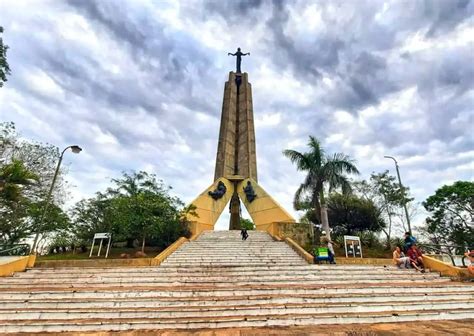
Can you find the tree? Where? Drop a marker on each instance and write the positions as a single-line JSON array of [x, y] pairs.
[[452, 214], [91, 216], [350, 214], [247, 224], [55, 220], [322, 172], [26, 170], [137, 206], [40, 159], [12, 177], [13, 203], [4, 67], [384, 191], [20, 213], [143, 202]]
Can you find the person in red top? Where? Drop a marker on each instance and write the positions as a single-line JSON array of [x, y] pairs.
[[416, 258], [470, 258]]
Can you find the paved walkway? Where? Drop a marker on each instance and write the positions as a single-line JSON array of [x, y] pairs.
[[427, 328]]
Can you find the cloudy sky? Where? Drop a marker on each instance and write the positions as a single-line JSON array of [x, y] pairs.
[[138, 84]]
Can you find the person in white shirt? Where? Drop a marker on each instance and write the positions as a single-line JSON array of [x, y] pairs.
[[330, 246], [399, 258]]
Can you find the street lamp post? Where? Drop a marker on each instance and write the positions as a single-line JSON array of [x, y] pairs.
[[75, 149], [401, 187]]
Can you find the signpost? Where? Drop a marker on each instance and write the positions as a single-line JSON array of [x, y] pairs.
[[101, 236], [353, 246]]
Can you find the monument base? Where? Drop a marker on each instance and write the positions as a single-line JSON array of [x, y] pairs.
[[263, 209]]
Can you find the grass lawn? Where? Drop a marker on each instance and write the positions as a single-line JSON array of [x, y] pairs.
[[114, 253], [367, 252]]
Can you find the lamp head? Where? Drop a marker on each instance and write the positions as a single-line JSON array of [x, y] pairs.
[[76, 149], [390, 157]]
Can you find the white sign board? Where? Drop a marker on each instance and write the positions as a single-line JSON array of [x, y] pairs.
[[352, 246], [101, 236]]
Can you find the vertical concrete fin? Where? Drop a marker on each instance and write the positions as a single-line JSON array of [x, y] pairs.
[[209, 209], [236, 153], [225, 158], [264, 210]]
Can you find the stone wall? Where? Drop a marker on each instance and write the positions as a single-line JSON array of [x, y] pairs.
[[301, 233]]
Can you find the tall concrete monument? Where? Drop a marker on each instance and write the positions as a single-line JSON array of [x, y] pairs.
[[235, 176]]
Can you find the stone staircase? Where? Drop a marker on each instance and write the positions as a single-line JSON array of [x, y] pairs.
[[219, 281]]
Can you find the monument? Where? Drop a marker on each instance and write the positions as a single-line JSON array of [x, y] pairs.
[[235, 176]]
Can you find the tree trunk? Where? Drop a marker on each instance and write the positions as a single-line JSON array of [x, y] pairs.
[[324, 220], [143, 244], [389, 213], [324, 214], [387, 234], [389, 231]]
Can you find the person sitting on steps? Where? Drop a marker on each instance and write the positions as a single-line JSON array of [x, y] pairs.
[[331, 253], [416, 258], [470, 258], [399, 258]]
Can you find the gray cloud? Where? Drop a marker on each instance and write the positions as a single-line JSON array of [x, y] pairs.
[[140, 86], [447, 14], [235, 12]]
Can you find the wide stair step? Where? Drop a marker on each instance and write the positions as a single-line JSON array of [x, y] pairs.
[[220, 281]]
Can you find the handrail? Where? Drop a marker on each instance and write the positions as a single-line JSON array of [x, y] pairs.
[[464, 258], [14, 249], [436, 249], [445, 245]]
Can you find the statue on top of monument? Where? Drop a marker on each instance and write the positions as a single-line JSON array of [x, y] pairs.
[[239, 55]]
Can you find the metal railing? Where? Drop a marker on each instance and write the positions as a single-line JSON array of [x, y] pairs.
[[463, 261], [445, 249], [15, 250]]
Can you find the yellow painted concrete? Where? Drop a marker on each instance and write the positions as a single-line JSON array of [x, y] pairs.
[[270, 228], [208, 209], [301, 251], [17, 265], [197, 228], [196, 236], [31, 261], [445, 269], [170, 249], [275, 237], [264, 210], [364, 261], [266, 213]]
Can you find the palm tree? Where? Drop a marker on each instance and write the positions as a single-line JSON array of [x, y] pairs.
[[12, 176], [322, 171]]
